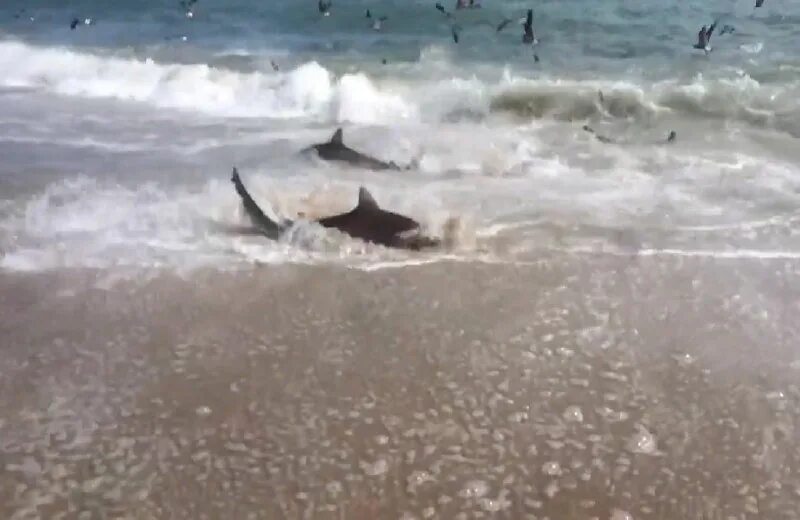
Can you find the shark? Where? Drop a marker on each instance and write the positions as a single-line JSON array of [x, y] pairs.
[[367, 221]]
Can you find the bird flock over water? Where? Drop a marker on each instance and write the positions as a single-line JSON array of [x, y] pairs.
[[528, 36]]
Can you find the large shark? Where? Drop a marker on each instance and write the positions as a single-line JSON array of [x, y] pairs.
[[336, 150], [367, 221]]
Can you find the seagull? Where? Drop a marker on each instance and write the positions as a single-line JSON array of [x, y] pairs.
[[187, 6], [528, 36], [704, 37], [325, 7], [377, 23]]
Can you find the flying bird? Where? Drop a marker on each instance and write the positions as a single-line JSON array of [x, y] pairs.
[[527, 35], [704, 37], [377, 23], [324, 7]]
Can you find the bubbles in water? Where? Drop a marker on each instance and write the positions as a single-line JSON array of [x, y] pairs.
[[551, 468], [416, 479], [778, 400], [619, 514], [643, 442], [334, 487], [474, 489], [379, 467], [573, 414]]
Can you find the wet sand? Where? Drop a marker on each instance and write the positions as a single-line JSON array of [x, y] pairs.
[[577, 387]]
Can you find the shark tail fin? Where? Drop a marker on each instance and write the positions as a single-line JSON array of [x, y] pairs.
[[263, 222], [337, 137], [366, 200]]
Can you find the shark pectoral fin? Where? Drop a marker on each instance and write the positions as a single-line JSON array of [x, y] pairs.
[[365, 200], [337, 137]]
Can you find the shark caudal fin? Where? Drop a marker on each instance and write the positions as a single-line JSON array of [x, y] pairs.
[[266, 225], [337, 137], [366, 200]]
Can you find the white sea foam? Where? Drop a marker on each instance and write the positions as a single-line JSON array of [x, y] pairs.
[[308, 90]]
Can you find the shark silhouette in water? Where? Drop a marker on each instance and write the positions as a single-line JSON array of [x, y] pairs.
[[336, 150], [367, 221]]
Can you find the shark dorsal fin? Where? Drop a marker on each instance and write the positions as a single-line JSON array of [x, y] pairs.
[[337, 137], [365, 200]]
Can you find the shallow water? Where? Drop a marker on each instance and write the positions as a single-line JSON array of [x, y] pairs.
[[582, 387], [118, 138]]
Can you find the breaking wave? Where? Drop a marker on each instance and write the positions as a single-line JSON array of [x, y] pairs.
[[312, 91], [309, 90]]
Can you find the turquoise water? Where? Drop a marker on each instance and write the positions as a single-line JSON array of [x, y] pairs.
[[118, 136], [647, 37]]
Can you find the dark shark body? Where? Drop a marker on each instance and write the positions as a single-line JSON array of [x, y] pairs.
[[336, 150], [367, 221]]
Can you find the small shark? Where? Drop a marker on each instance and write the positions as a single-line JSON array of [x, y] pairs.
[[336, 150], [367, 222]]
